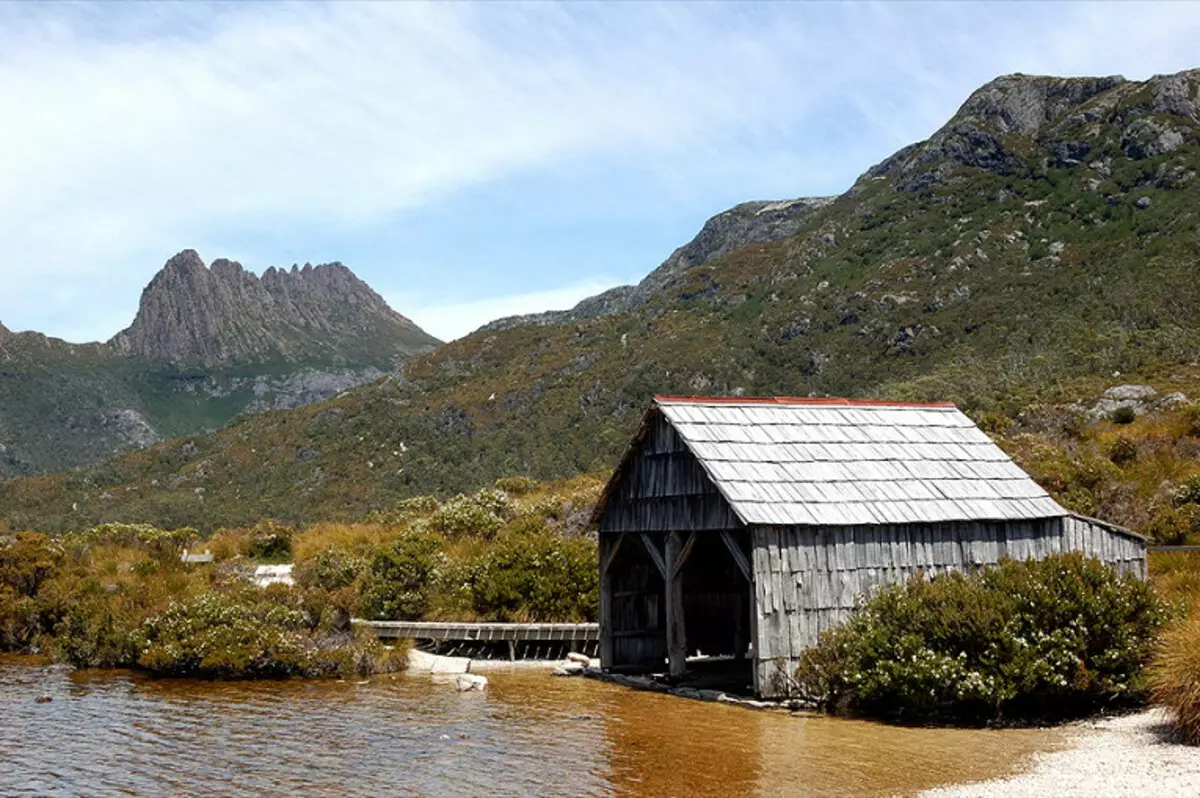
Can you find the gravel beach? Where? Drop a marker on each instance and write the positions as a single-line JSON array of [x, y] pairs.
[[1123, 756]]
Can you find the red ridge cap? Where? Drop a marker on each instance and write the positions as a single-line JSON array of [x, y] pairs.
[[795, 400]]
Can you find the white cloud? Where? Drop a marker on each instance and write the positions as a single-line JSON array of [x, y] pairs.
[[135, 130], [450, 320]]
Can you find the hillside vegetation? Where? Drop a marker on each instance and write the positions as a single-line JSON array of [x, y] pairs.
[[1039, 244], [118, 595]]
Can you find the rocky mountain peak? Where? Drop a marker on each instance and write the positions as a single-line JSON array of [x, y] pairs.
[[1025, 104], [223, 314], [1075, 118]]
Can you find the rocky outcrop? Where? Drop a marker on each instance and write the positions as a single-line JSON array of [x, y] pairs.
[[224, 315], [287, 392], [1003, 121], [740, 226], [1138, 398]]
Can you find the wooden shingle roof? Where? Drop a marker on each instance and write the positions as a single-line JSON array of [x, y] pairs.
[[842, 462]]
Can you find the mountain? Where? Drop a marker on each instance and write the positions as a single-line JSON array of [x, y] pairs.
[[206, 345], [224, 315], [1037, 249], [740, 226]]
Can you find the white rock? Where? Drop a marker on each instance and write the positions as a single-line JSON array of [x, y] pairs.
[[424, 662], [470, 681], [1128, 392], [569, 669], [582, 659], [273, 575]]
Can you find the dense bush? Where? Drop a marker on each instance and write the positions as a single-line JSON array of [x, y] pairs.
[[1173, 526], [332, 569], [1058, 637], [531, 574], [1123, 450], [219, 635], [269, 540], [27, 560], [1174, 677], [480, 514], [1124, 415], [516, 486], [162, 543], [398, 581]]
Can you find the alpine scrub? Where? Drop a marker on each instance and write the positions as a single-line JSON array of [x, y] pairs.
[[1038, 639]]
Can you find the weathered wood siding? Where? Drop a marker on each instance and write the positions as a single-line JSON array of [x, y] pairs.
[[665, 489], [807, 579]]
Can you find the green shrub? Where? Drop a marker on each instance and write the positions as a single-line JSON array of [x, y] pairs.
[[480, 515], [1054, 638], [398, 580], [1187, 493], [1174, 677], [1123, 450], [269, 540], [332, 569], [27, 560], [221, 635], [19, 627], [531, 574], [97, 628], [163, 543], [1173, 526], [516, 486], [1123, 415]]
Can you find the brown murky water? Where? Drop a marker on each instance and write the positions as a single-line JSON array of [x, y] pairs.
[[114, 733]]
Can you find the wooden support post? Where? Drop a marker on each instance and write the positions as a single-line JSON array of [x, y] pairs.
[[676, 632], [608, 552], [512, 651], [736, 552], [655, 557]]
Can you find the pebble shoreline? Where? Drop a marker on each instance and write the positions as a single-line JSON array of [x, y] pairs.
[[1130, 755]]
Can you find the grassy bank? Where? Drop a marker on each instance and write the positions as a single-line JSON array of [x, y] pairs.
[[119, 595]]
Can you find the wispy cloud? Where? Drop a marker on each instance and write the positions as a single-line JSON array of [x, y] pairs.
[[136, 130], [450, 320]]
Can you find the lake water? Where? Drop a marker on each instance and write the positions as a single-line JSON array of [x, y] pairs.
[[116, 733]]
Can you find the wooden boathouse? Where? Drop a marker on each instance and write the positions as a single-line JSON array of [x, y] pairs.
[[746, 527]]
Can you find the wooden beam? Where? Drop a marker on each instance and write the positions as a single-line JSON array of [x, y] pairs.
[[611, 555], [652, 550], [738, 556], [607, 551], [684, 554], [676, 633]]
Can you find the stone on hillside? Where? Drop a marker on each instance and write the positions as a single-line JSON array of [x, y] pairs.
[[1131, 393], [1138, 398], [1173, 400], [1143, 203]]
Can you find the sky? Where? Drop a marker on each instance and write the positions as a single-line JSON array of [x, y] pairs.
[[473, 161]]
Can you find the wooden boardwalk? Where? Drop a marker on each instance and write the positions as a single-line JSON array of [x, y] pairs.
[[510, 632]]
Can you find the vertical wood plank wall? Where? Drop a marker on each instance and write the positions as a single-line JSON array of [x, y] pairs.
[[663, 489], [807, 579]]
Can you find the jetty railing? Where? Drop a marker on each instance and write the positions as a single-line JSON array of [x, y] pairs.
[[514, 632]]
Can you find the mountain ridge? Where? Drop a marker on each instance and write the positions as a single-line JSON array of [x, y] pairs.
[[221, 314], [207, 343], [1027, 250]]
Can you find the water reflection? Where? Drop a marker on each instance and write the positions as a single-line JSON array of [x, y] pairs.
[[113, 733]]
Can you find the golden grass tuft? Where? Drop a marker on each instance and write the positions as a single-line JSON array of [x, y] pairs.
[[1174, 677]]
